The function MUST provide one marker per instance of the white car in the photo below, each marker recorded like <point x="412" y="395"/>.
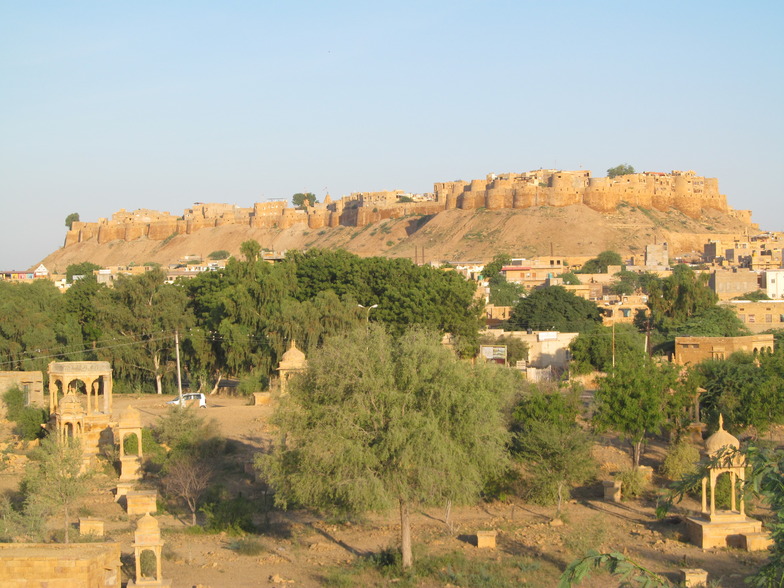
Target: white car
<point x="189" y="399"/>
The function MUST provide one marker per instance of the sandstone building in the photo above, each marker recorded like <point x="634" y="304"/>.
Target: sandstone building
<point x="692" y="350"/>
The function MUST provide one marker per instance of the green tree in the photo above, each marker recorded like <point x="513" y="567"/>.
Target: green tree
<point x="678" y="297"/>
<point x="33" y="326"/>
<point x="516" y="348"/>
<point x="53" y="478"/>
<point x="27" y="419"/>
<point x="493" y="269"/>
<point x="633" y="399"/>
<point x="300" y="199"/>
<point x="503" y="293"/>
<point x="376" y="422"/>
<point x="754" y="296"/>
<point x="712" y="321"/>
<point x="142" y="312"/>
<point x="79" y="305"/>
<point x="570" y="279"/>
<point x="620" y="170"/>
<point x="626" y="283"/>
<point x="71" y="219"/>
<point x="555" y="309"/>
<point x="406" y="294"/>
<point x="219" y="254"/>
<point x="600" y="263"/>
<point x="550" y="443"/>
<point x="84" y="268"/>
<point x="594" y="349"/>
<point x="251" y="250"/>
<point x="748" y="390"/>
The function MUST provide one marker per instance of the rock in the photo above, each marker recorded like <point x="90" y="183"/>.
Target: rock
<point x="556" y="523"/>
<point x="276" y="579"/>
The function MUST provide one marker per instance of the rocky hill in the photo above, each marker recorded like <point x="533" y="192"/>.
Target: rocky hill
<point x="448" y="235"/>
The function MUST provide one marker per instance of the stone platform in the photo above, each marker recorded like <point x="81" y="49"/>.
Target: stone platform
<point x="721" y="531"/>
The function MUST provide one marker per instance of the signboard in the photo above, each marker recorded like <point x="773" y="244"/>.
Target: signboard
<point x="495" y="353"/>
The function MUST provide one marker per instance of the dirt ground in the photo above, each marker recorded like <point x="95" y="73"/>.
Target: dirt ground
<point x="302" y="549"/>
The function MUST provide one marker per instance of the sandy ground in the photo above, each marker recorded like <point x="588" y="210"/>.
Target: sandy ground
<point x="302" y="549"/>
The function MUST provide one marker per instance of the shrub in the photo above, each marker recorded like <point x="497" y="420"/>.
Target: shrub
<point x="219" y="254"/>
<point x="681" y="460"/>
<point x="235" y="516"/>
<point x="182" y="428"/>
<point x="252" y="383"/>
<point x="247" y="546"/>
<point x="147" y="564"/>
<point x="27" y="419"/>
<point x="633" y="483"/>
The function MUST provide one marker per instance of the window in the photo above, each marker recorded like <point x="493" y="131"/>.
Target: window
<point x="768" y="318"/>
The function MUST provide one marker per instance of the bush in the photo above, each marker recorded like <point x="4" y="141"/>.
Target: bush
<point x="14" y="402"/>
<point x="252" y="383"/>
<point x="235" y="516"/>
<point x="27" y="419"/>
<point x="633" y="483"/>
<point x="681" y="460"/>
<point x="247" y="546"/>
<point x="501" y="486"/>
<point x="219" y="254"/>
<point x="183" y="428"/>
<point x="148" y="564"/>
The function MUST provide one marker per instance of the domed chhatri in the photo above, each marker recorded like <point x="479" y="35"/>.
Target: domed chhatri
<point x="147" y="524"/>
<point x="292" y="362"/>
<point x="70" y="405"/>
<point x="721" y="441"/>
<point x="712" y="527"/>
<point x="293" y="358"/>
<point x="130" y="418"/>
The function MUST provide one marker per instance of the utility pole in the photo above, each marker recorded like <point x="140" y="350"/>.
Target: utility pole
<point x="179" y="373"/>
<point x="613" y="342"/>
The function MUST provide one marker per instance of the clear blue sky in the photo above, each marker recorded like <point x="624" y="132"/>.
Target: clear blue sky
<point x="108" y="105"/>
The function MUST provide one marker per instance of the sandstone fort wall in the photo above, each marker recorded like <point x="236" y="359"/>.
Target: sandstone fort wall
<point x="680" y="190"/>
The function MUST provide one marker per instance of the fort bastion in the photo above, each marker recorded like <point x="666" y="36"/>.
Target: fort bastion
<point x="680" y="190"/>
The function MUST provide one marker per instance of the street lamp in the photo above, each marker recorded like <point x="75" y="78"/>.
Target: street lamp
<point x="368" y="308"/>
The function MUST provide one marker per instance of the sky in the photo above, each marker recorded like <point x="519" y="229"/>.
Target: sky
<point x="109" y="105"/>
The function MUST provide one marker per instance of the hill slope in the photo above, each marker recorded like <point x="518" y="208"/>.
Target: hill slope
<point x="451" y="235"/>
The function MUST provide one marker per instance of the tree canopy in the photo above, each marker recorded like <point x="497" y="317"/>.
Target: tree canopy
<point x="301" y="199"/>
<point x="748" y="390"/>
<point x="143" y="312"/>
<point x="600" y="263"/>
<point x="594" y="349"/>
<point x="633" y="400"/>
<point x="551" y="445"/>
<point x="620" y="170"/>
<point x="555" y="309"/>
<point x="84" y="269"/>
<point x="71" y="219"/>
<point x="677" y="298"/>
<point x="54" y="478"/>
<point x="378" y="422"/>
<point x="493" y="269"/>
<point x="754" y="296"/>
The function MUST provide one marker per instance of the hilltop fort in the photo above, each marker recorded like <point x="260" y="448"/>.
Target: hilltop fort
<point x="683" y="191"/>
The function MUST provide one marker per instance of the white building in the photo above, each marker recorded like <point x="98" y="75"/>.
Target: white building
<point x="774" y="283"/>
